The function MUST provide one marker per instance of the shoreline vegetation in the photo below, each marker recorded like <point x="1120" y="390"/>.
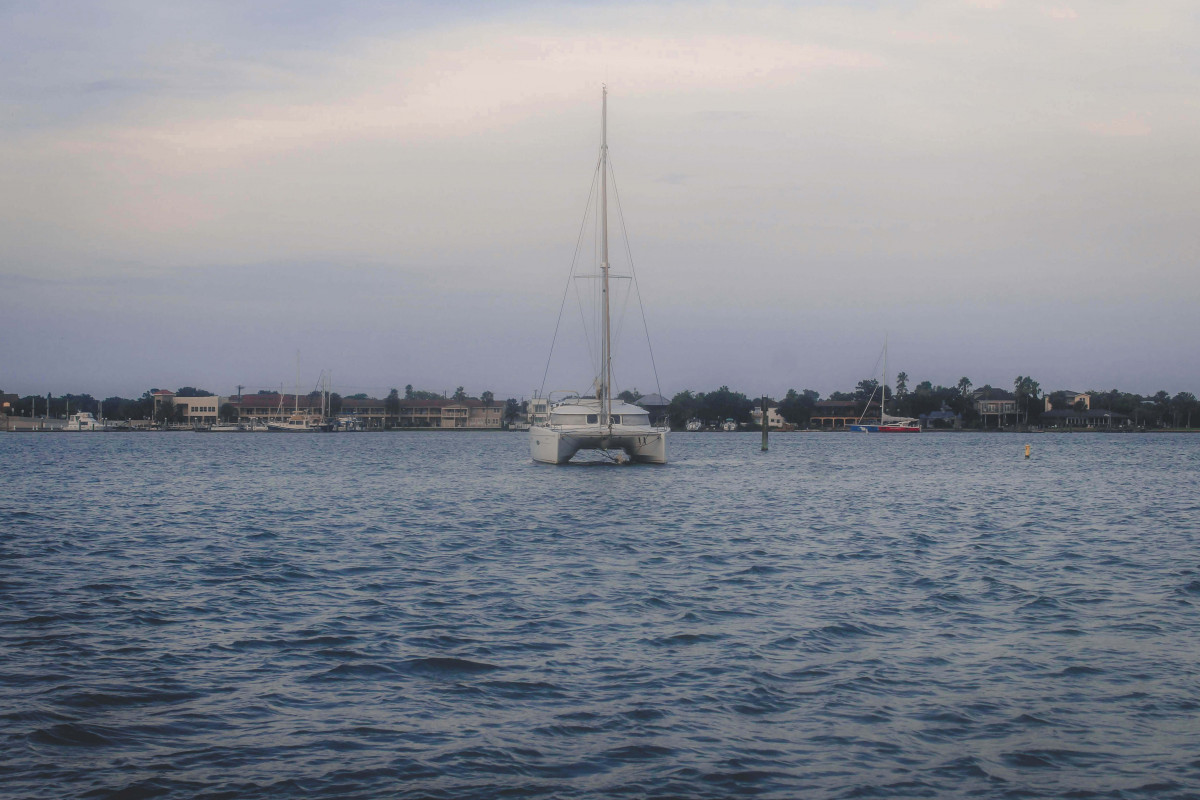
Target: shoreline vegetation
<point x="960" y="407"/>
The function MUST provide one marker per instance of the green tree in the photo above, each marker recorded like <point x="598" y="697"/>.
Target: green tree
<point x="901" y="385"/>
<point x="460" y="393"/>
<point x="391" y="407"/>
<point x="628" y="396"/>
<point x="964" y="386"/>
<point x="1182" y="406"/>
<point x="797" y="407"/>
<point x="1026" y="390"/>
<point x="192" y="391"/>
<point x="1161" y="400"/>
<point x="725" y="404"/>
<point x="80" y="402"/>
<point x="865" y="388"/>
<point x="166" y="412"/>
<point x="511" y="409"/>
<point x="228" y="412"/>
<point x="408" y="392"/>
<point x="683" y="407"/>
<point x="927" y="398"/>
<point x="123" y="408"/>
<point x="487" y="397"/>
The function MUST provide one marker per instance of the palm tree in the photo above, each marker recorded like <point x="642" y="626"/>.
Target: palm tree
<point x="1025" y="388"/>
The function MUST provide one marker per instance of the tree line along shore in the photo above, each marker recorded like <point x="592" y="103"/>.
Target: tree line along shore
<point x="961" y="406"/>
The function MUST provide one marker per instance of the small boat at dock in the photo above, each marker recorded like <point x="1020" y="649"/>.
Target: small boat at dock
<point x="83" y="421"/>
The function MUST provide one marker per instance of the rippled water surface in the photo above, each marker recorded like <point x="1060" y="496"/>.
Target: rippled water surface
<point x="432" y="615"/>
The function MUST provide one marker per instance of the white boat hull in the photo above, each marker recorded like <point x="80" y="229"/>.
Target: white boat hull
<point x="559" y="445"/>
<point x="293" y="427"/>
<point x="84" y="421"/>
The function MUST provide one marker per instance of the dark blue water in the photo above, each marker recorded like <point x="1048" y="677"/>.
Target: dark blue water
<point x="432" y="615"/>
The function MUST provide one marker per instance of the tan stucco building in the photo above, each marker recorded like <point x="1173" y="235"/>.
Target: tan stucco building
<point x="199" y="410"/>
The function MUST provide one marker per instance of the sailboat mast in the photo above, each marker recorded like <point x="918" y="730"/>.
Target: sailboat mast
<point x="883" y="394"/>
<point x="606" y="347"/>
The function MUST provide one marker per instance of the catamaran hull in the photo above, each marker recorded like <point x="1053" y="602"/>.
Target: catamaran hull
<point x="551" y="446"/>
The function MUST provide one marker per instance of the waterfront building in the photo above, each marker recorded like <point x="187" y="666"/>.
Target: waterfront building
<point x="371" y="413"/>
<point x="1089" y="418"/>
<point x="657" y="405"/>
<point x="272" y="405"/>
<point x="996" y="404"/>
<point x="775" y="422"/>
<point x="834" y="414"/>
<point x="367" y="412"/>
<point x="1069" y="399"/>
<point x="449" y="413"/>
<point x="942" y="418"/>
<point x="161" y="396"/>
<point x="199" y="410"/>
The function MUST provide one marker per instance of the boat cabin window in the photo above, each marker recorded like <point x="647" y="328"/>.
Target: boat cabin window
<point x="615" y="419"/>
<point x="593" y="418"/>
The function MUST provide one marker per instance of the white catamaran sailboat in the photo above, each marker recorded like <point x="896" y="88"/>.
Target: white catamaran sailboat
<point x="886" y="422"/>
<point x="599" y="423"/>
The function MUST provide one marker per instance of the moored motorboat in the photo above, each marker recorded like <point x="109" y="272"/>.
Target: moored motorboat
<point x="83" y="421"/>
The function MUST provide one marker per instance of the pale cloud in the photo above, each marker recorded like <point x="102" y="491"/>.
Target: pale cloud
<point x="928" y="37"/>
<point x="923" y="169"/>
<point x="201" y="169"/>
<point x="444" y="89"/>
<point x="1059" y="13"/>
<point x="1127" y="125"/>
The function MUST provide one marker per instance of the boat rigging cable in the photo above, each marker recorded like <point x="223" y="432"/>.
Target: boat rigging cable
<point x="633" y="272"/>
<point x="881" y="388"/>
<point x="571" y="277"/>
<point x="570" y="274"/>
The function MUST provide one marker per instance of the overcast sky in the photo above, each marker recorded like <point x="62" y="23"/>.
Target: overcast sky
<point x="192" y="193"/>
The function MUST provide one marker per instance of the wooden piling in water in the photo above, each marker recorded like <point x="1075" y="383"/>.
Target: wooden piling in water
<point x="765" y="424"/>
